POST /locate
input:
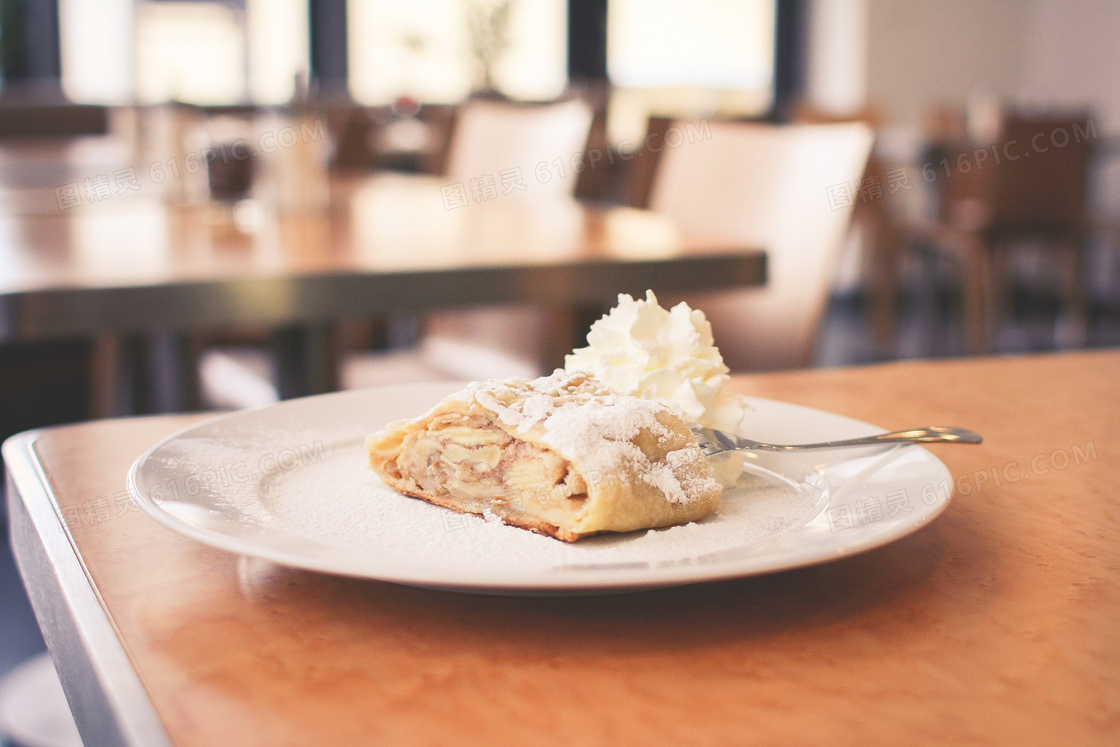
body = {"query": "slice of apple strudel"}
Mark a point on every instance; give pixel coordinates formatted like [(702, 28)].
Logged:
[(561, 455)]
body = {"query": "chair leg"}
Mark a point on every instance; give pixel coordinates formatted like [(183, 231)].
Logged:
[(173, 371), (106, 370), (308, 359), (979, 296), (886, 255), (1074, 332)]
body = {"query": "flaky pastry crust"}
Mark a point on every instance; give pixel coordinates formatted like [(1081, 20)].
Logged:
[(561, 455)]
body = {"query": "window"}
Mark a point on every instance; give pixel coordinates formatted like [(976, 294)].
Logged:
[(277, 32), (422, 49), (119, 51), (189, 52), (95, 44), (696, 59)]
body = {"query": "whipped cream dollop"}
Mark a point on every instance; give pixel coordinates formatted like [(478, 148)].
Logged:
[(641, 349)]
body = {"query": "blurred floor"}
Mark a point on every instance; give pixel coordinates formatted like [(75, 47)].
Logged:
[(930, 322)]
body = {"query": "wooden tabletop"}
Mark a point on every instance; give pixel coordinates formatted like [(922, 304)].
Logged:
[(995, 624), (385, 243)]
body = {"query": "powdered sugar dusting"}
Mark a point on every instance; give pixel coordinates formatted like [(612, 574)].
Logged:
[(337, 508), (591, 425), (291, 482)]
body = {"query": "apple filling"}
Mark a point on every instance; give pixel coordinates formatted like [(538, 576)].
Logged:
[(560, 455), (468, 463)]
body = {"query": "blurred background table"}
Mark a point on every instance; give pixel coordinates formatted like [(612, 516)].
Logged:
[(994, 624), (384, 244)]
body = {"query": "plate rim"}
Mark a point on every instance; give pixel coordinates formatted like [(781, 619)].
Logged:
[(598, 581)]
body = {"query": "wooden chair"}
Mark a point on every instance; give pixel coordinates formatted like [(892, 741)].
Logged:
[(353, 128), (489, 138), (643, 170), (771, 186), (880, 216), (1029, 185)]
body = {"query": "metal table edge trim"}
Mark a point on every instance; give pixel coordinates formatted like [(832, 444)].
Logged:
[(108, 700)]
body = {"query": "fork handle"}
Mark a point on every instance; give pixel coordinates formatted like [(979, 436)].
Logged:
[(913, 436)]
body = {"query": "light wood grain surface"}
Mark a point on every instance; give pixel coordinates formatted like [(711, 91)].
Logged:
[(385, 244), (382, 223), (996, 624)]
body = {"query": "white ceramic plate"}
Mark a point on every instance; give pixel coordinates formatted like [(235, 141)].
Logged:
[(290, 483)]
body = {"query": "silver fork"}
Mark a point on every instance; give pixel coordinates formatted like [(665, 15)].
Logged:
[(714, 442)]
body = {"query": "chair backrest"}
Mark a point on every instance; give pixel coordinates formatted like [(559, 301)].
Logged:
[(353, 128), (492, 139), (1032, 180), (1048, 190), (644, 168), (788, 189)]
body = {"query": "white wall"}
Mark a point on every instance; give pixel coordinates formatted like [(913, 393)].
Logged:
[(923, 53), (1073, 57), (1039, 52)]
